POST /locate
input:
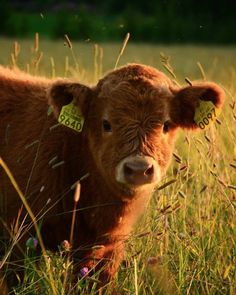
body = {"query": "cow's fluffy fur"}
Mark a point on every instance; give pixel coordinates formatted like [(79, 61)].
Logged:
[(137, 100)]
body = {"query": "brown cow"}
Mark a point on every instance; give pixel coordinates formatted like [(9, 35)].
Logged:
[(130, 120)]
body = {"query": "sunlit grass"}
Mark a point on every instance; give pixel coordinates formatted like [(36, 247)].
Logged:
[(185, 243)]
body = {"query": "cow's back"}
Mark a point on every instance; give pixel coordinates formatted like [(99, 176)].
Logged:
[(22, 96), (27, 144)]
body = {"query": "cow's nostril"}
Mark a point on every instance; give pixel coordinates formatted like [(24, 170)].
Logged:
[(138, 169), (128, 170), (149, 171)]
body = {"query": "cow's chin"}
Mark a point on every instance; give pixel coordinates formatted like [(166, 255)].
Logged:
[(130, 191)]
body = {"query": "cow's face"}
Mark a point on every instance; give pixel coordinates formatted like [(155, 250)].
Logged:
[(131, 119), (134, 132)]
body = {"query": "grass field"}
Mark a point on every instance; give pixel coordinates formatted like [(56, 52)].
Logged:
[(186, 241)]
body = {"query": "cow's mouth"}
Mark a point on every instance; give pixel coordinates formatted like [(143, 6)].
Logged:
[(131, 192)]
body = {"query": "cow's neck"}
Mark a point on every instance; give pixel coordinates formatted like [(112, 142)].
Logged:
[(112, 210)]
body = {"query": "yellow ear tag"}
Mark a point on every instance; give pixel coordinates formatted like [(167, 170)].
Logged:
[(71, 117), (206, 114)]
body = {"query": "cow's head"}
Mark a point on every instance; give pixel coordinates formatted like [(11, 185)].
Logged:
[(131, 117)]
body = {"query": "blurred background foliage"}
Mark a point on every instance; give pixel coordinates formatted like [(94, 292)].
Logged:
[(166, 21)]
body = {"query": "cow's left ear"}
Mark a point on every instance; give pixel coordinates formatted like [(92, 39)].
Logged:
[(62, 93), (186, 101)]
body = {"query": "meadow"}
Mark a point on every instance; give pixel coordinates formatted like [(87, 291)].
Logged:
[(186, 241)]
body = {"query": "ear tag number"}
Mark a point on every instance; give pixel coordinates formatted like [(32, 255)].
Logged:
[(206, 114), (71, 117)]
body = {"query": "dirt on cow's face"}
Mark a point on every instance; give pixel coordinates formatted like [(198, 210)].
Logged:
[(133, 135)]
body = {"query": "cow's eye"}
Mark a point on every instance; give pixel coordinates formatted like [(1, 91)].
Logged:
[(106, 126), (166, 127)]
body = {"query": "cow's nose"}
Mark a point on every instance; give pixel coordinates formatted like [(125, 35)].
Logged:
[(138, 172)]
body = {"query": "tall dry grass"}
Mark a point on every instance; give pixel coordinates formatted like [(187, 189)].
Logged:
[(186, 241)]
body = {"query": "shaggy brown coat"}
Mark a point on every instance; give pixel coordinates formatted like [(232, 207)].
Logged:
[(144, 110)]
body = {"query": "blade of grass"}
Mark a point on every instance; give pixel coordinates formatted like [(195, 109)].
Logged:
[(27, 207), (135, 277), (125, 42)]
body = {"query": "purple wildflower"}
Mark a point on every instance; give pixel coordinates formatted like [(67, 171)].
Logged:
[(32, 243), (83, 272)]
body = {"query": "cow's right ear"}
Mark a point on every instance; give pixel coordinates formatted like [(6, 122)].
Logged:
[(62, 93), (186, 102)]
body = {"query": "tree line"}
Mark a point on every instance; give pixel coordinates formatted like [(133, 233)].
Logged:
[(168, 21)]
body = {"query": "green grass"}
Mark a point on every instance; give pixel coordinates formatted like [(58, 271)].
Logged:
[(186, 241)]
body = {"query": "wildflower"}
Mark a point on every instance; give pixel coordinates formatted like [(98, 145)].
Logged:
[(65, 245), (182, 236), (83, 272), (152, 261), (32, 243)]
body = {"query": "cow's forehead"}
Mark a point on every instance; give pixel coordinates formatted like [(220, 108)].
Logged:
[(134, 79), (121, 106), (135, 72), (136, 89)]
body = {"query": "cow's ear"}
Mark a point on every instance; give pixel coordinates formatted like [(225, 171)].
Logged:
[(62, 93), (186, 102)]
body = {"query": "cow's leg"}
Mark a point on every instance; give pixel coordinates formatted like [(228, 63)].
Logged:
[(103, 260)]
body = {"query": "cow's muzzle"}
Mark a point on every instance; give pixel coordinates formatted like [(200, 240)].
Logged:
[(137, 170)]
